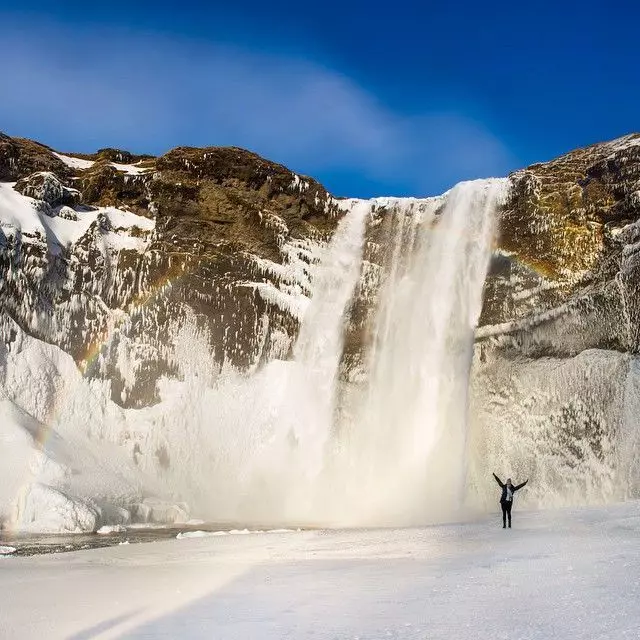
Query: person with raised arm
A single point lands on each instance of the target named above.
(506, 499)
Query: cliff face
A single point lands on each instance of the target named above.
(124, 246)
(568, 242)
(555, 375)
(232, 236)
(123, 275)
(556, 369)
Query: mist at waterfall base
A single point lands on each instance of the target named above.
(275, 446)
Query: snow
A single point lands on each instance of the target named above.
(75, 163)
(18, 212)
(121, 242)
(622, 144)
(558, 574)
(80, 163)
(57, 474)
(231, 532)
(150, 525)
(19, 215)
(111, 528)
(5, 550)
(67, 232)
(298, 183)
(120, 219)
(41, 508)
(199, 534)
(130, 169)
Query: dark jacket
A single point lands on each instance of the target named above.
(503, 497)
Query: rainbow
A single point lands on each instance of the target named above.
(90, 354)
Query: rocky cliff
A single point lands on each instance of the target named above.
(556, 380)
(126, 245)
(114, 266)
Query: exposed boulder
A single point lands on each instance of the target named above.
(104, 185)
(119, 156)
(67, 213)
(47, 187)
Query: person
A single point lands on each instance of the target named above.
(506, 499)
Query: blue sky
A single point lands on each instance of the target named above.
(401, 98)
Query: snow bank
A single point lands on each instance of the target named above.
(66, 458)
(43, 509)
(73, 162)
(120, 219)
(21, 216)
(131, 169)
(81, 163)
(111, 528)
(199, 534)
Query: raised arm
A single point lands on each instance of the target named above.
(519, 486)
(498, 481)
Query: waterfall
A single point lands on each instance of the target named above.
(274, 446)
(406, 456)
(377, 418)
(302, 421)
(318, 349)
(274, 426)
(400, 458)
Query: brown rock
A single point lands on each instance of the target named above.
(20, 158)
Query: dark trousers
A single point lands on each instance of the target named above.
(506, 512)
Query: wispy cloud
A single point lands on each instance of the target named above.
(150, 92)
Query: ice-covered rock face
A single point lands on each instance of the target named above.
(218, 232)
(151, 331)
(568, 235)
(554, 378)
(45, 186)
(556, 366)
(218, 243)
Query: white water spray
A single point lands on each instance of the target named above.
(274, 426)
(272, 446)
(407, 446)
(319, 346)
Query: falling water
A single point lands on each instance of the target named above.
(283, 450)
(407, 446)
(319, 346)
(305, 441)
(283, 416)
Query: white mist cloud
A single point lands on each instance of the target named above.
(84, 90)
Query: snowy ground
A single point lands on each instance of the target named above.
(557, 574)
